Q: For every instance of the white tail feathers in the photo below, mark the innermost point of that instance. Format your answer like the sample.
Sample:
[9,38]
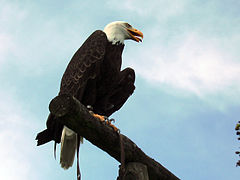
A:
[68,147]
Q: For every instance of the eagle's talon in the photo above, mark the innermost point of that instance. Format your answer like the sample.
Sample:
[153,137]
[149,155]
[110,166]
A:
[106,118]
[107,121]
[112,120]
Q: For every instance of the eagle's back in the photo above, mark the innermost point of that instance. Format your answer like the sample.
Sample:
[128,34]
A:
[84,65]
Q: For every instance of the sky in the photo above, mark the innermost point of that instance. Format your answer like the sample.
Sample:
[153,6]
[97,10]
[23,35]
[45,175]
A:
[187,98]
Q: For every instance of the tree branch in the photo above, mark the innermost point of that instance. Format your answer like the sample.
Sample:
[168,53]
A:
[76,116]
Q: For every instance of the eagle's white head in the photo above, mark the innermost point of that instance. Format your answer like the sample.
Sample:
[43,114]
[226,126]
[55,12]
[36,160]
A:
[118,31]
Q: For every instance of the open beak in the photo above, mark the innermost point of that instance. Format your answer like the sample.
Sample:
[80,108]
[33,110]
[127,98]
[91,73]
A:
[135,34]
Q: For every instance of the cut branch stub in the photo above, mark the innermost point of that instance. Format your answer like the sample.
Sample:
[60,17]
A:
[61,106]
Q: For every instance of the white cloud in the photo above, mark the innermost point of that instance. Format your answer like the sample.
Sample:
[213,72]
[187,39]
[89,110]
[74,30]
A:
[189,48]
[11,15]
[6,45]
[196,66]
[16,142]
[9,11]
[160,9]
[31,40]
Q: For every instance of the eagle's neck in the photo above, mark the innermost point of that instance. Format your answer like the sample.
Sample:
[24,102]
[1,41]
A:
[115,35]
[115,40]
[113,56]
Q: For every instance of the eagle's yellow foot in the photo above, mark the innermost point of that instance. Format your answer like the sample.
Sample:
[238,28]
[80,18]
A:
[105,119]
[101,118]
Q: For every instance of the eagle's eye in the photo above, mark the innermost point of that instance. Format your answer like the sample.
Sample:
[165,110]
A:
[128,25]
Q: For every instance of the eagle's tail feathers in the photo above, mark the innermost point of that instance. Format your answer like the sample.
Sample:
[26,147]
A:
[44,137]
[68,147]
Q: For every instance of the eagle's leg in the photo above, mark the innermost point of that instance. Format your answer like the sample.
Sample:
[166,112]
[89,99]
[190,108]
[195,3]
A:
[100,117]
[103,119]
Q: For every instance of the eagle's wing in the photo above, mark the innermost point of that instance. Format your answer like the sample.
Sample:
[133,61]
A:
[84,65]
[122,91]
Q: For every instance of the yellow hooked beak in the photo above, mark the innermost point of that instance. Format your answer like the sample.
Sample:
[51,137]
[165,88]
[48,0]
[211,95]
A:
[135,34]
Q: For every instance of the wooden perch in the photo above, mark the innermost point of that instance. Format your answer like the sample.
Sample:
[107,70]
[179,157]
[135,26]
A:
[76,116]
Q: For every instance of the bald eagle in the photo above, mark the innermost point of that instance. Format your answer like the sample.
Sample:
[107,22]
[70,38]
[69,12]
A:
[95,78]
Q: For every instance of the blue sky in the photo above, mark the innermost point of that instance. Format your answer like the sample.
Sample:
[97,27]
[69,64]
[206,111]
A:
[187,98]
